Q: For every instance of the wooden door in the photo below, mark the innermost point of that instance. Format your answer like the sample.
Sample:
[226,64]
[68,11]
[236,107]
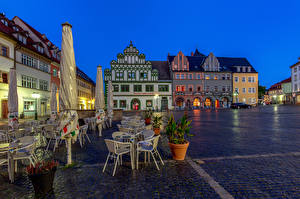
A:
[4,108]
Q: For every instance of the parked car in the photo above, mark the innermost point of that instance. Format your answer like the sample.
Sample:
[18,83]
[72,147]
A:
[239,105]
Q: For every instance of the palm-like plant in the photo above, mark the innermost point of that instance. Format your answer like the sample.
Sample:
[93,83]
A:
[156,121]
[178,131]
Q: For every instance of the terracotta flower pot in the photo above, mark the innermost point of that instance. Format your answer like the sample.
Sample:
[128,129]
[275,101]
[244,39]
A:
[178,150]
[156,131]
[148,121]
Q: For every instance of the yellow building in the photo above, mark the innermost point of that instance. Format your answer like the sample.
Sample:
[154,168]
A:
[85,91]
[245,85]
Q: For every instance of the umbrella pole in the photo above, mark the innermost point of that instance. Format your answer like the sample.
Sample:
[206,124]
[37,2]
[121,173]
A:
[69,150]
[100,129]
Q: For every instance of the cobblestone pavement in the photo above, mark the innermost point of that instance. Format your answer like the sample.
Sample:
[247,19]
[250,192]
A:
[240,153]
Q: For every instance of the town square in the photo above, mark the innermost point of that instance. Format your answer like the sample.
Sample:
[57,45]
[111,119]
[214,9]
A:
[149,101]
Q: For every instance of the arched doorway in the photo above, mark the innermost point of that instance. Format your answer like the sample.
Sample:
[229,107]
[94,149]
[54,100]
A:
[179,102]
[196,103]
[188,103]
[135,104]
[225,102]
[207,102]
[217,103]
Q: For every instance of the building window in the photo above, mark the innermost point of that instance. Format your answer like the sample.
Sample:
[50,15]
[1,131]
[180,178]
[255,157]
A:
[253,90]
[124,88]
[43,85]
[295,77]
[29,61]
[29,106]
[131,75]
[119,75]
[228,88]
[137,88]
[236,79]
[4,22]
[22,39]
[190,76]
[115,88]
[238,69]
[163,88]
[244,90]
[199,88]
[244,69]
[115,103]
[177,76]
[54,72]
[295,69]
[207,77]
[216,88]
[182,76]
[149,103]
[223,88]
[228,76]
[44,67]
[198,76]
[249,90]
[149,88]
[295,87]
[4,51]
[28,82]
[216,77]
[3,77]
[143,75]
[243,79]
[190,88]
[249,69]
[236,90]
[223,77]
[122,103]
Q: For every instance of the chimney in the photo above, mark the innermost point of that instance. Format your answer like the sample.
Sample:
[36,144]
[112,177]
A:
[192,54]
[168,54]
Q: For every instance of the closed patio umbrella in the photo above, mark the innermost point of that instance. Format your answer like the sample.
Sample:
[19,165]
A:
[69,128]
[53,102]
[110,103]
[99,100]
[13,122]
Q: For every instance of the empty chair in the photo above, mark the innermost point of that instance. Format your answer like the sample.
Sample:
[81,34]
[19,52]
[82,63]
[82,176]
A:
[117,149]
[82,134]
[148,146]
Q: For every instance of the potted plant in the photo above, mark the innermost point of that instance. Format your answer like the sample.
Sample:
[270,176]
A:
[42,176]
[147,116]
[177,133]
[156,123]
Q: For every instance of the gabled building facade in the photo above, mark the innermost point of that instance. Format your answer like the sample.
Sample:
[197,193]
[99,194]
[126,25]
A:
[295,75]
[200,81]
[139,84]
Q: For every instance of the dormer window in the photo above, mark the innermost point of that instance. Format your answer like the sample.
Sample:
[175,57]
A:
[49,43]
[16,28]
[40,49]
[238,69]
[244,69]
[249,69]
[4,22]
[22,39]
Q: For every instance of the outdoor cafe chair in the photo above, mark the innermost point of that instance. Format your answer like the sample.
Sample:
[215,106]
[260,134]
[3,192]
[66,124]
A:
[53,136]
[117,149]
[26,151]
[82,134]
[148,146]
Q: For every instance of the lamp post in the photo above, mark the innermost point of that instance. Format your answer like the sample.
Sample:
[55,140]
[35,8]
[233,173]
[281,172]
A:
[36,96]
[235,94]
[156,97]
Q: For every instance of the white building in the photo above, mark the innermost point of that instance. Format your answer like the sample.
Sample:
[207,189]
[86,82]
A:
[139,84]
[295,75]
[32,64]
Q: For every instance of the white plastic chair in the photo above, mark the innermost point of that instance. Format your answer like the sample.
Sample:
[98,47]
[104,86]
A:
[117,149]
[148,146]
[83,133]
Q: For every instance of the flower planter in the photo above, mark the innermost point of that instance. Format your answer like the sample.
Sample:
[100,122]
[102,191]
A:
[178,150]
[156,131]
[42,183]
[148,121]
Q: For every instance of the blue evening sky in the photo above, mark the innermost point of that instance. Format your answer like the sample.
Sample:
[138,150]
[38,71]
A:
[266,32]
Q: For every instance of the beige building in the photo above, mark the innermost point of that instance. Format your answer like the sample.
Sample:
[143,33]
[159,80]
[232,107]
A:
[245,85]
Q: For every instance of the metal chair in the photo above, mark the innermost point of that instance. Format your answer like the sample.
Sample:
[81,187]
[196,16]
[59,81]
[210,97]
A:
[83,133]
[117,149]
[148,146]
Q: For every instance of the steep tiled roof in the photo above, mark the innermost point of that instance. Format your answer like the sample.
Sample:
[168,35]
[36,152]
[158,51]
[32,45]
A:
[163,69]
[84,76]
[286,80]
[195,62]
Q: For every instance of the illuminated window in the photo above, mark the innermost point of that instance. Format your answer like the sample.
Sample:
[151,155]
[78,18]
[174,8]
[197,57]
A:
[182,76]
[207,77]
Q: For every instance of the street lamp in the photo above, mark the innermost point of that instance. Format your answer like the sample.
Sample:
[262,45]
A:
[36,96]
[156,97]
[236,96]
